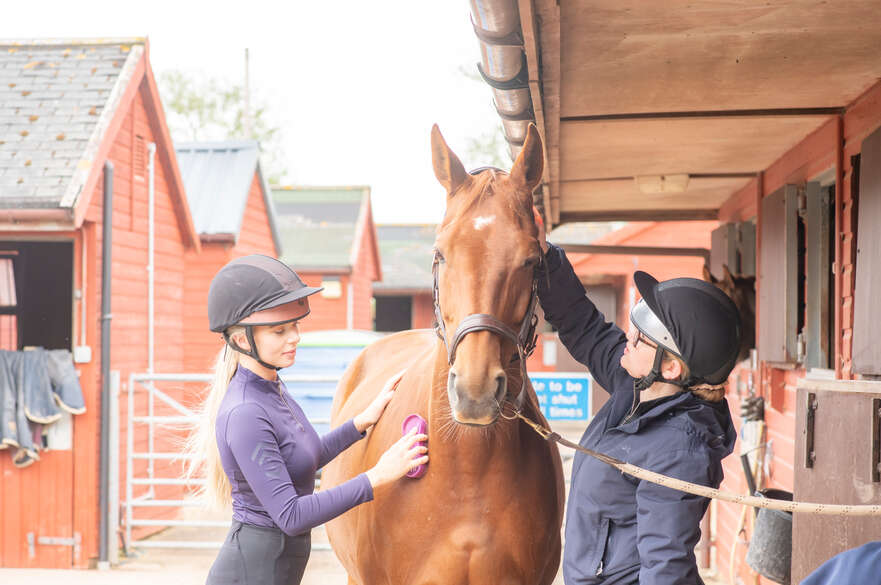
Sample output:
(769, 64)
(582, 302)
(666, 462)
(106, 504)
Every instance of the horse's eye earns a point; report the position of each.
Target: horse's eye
(531, 262)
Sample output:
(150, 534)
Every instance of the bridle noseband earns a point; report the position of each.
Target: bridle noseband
(524, 339)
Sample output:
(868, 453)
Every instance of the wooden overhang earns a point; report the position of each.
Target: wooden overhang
(716, 91)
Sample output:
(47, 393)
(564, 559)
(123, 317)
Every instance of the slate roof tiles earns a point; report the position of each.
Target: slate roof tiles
(52, 97)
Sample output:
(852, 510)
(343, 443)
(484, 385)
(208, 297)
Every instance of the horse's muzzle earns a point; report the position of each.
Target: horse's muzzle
(476, 405)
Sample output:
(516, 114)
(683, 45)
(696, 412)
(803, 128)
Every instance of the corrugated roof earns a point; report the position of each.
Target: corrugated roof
(56, 98)
(317, 225)
(406, 252)
(217, 177)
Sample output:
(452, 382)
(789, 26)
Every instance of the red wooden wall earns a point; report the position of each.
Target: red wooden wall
(129, 353)
(829, 147)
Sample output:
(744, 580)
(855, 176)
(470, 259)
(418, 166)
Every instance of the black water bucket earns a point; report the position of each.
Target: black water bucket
(770, 548)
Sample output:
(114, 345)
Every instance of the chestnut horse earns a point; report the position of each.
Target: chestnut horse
(489, 509)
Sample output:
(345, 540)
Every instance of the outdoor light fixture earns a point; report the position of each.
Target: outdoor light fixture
(662, 183)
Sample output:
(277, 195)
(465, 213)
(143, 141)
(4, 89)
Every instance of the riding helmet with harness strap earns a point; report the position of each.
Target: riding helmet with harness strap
(256, 290)
(693, 320)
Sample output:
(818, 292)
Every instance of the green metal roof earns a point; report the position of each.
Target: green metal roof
(406, 252)
(317, 225)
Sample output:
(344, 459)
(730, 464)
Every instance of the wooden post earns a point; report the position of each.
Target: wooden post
(839, 260)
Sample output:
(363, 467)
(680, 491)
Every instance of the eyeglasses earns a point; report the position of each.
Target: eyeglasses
(640, 338)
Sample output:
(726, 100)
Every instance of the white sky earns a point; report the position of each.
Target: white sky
(354, 85)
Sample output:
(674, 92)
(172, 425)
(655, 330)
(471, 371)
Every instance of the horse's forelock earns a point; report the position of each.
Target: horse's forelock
(486, 184)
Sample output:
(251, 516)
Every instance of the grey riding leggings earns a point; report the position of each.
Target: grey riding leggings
(257, 555)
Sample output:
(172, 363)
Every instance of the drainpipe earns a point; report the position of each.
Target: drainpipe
(503, 65)
(151, 278)
(350, 304)
(106, 316)
(151, 251)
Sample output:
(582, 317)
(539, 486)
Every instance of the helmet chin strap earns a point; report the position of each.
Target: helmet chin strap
(655, 375)
(249, 333)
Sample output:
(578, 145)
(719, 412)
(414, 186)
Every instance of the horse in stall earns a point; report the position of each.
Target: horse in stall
(742, 290)
(490, 507)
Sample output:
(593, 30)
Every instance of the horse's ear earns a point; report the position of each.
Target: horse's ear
(708, 276)
(727, 277)
(447, 167)
(529, 166)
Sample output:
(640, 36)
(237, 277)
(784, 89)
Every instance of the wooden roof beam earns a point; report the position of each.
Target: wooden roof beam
(640, 215)
(636, 250)
(709, 114)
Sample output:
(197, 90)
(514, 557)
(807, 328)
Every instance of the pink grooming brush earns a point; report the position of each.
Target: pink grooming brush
(414, 421)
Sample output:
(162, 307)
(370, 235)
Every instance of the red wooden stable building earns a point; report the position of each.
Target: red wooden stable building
(329, 238)
(83, 125)
(764, 118)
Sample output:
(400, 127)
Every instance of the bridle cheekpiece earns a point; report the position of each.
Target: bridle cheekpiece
(524, 339)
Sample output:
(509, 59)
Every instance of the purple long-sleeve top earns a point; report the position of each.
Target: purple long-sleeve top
(270, 453)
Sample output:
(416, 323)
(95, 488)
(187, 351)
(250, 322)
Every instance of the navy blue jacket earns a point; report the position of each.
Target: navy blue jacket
(858, 565)
(621, 530)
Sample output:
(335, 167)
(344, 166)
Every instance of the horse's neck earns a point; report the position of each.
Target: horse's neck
(464, 447)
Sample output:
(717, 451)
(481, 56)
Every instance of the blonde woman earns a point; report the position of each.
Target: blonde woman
(258, 449)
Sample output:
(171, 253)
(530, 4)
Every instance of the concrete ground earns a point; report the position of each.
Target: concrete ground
(151, 566)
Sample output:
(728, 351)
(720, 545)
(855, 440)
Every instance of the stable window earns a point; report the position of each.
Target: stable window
(8, 302)
(795, 281)
(333, 287)
(733, 247)
(36, 295)
(866, 182)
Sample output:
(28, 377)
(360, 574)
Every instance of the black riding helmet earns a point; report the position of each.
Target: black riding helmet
(256, 290)
(691, 319)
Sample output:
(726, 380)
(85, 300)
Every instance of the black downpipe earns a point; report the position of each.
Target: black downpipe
(106, 316)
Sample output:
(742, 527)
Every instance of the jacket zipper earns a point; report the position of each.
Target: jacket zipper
(633, 406)
(600, 568)
(291, 410)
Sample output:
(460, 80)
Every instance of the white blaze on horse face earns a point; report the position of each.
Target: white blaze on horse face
(483, 221)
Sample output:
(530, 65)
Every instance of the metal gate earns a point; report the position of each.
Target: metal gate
(182, 418)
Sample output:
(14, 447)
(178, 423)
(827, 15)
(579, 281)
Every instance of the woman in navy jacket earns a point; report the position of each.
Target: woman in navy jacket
(666, 413)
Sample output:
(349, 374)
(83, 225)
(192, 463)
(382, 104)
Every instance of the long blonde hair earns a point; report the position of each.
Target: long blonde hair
(202, 443)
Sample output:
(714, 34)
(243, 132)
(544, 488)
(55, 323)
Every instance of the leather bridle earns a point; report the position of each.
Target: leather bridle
(524, 339)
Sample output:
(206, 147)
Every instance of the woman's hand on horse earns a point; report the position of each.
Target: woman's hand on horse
(374, 410)
(368, 417)
(400, 458)
(542, 234)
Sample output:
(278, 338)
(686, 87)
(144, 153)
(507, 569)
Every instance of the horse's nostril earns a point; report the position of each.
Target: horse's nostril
(451, 388)
(501, 387)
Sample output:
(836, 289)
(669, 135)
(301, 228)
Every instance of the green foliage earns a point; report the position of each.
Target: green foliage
(202, 108)
(488, 148)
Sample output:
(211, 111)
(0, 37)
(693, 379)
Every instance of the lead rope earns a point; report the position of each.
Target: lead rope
(708, 492)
